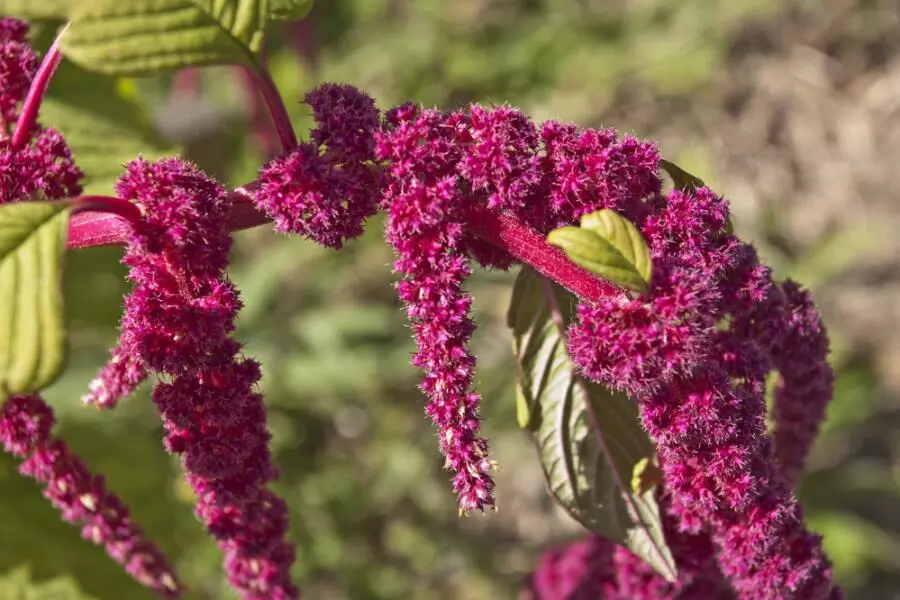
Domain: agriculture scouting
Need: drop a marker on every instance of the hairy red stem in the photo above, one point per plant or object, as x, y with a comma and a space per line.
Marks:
531, 248
32, 104
275, 104
106, 227
260, 127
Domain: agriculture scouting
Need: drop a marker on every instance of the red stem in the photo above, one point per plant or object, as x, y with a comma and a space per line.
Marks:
530, 247
32, 104
260, 127
107, 227
275, 104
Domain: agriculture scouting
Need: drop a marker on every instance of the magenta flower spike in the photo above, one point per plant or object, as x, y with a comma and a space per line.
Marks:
710, 433
33, 158
177, 324
326, 189
81, 497
806, 382
425, 227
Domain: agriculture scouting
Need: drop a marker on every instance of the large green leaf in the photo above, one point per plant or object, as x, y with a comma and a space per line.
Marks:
134, 37
103, 122
18, 585
610, 246
590, 440
32, 324
29, 9
289, 10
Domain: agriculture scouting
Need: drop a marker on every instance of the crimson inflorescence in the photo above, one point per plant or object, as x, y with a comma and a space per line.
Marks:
177, 324
694, 351
45, 165
80, 496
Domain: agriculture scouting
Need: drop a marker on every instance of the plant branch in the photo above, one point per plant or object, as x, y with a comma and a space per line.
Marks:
32, 104
89, 228
530, 247
275, 104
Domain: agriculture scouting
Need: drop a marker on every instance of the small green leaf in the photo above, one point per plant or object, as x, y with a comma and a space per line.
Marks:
136, 37
646, 476
610, 246
289, 10
589, 439
32, 327
682, 180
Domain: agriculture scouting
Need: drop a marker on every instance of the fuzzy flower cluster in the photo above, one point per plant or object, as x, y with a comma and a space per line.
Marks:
177, 324
806, 382
45, 163
18, 63
425, 226
81, 497
597, 568
440, 164
327, 188
702, 401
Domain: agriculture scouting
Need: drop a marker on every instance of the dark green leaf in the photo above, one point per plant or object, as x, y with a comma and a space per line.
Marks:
103, 123
32, 324
589, 439
289, 10
683, 180
610, 246
134, 37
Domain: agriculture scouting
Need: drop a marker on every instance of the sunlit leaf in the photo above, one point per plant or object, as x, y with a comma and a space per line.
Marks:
610, 246
133, 37
589, 439
32, 324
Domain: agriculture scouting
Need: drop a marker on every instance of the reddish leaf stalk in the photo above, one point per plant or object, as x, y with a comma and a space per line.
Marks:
260, 127
275, 104
32, 104
109, 205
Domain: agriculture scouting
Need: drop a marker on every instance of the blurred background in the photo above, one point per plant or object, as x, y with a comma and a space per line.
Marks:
791, 108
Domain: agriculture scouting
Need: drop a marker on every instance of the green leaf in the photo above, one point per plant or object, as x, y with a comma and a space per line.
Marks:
18, 585
136, 37
589, 439
104, 124
682, 180
610, 246
646, 476
32, 324
29, 9
289, 10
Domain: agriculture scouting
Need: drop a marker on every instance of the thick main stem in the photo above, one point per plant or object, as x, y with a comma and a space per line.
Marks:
92, 228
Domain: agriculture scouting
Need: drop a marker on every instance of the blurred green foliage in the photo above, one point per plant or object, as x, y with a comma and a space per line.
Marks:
372, 511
